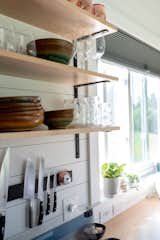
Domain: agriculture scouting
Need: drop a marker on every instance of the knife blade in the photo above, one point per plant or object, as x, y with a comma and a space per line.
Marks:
40, 191
4, 180
29, 191
48, 195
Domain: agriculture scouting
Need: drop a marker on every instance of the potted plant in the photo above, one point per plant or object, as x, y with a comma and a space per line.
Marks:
111, 173
133, 180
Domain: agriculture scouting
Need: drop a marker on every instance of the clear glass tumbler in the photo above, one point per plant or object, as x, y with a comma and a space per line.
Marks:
82, 112
2, 38
100, 113
31, 45
107, 114
92, 111
10, 40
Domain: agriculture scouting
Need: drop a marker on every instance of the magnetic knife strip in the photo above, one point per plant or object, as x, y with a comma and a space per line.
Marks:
16, 191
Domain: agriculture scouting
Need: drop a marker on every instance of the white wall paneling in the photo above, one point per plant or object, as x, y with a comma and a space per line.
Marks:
94, 169
52, 152
65, 197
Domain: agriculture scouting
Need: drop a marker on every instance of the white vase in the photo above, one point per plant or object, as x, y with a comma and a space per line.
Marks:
111, 186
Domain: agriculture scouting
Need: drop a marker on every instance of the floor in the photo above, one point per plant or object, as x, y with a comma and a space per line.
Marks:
141, 222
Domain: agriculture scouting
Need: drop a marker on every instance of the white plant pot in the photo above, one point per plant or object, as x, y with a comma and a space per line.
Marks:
111, 186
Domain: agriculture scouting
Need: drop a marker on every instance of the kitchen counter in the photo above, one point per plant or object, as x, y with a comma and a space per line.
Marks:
141, 222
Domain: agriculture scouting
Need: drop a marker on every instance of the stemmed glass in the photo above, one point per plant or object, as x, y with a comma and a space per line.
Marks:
87, 49
100, 47
22, 40
31, 45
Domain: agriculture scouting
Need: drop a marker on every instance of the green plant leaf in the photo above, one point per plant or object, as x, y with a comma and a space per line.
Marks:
112, 170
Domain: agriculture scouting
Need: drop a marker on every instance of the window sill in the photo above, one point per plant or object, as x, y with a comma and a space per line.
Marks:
111, 207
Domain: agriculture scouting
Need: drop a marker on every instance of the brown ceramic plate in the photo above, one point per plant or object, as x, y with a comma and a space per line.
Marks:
19, 124
20, 109
20, 118
20, 99
21, 114
15, 105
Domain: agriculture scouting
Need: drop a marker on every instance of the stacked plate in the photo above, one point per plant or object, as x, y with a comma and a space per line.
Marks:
20, 113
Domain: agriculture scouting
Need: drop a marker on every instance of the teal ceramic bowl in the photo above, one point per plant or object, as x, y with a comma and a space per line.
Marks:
51, 49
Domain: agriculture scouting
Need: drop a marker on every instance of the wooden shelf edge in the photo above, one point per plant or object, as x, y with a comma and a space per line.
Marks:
13, 56
47, 133
107, 25
52, 15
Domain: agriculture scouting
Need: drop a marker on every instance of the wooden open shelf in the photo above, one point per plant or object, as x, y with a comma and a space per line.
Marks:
58, 16
15, 64
45, 133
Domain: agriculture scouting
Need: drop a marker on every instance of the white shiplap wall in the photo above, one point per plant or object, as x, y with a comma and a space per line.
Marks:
59, 152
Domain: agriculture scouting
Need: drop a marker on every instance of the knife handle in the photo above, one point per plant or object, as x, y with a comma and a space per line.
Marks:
41, 211
2, 226
55, 202
48, 204
32, 213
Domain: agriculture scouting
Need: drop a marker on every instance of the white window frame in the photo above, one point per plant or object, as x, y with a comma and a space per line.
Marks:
144, 167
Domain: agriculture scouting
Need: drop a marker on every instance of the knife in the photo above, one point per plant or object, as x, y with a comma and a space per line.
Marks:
54, 193
4, 180
40, 191
29, 191
48, 195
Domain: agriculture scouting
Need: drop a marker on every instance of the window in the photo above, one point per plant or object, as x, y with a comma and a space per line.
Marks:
135, 104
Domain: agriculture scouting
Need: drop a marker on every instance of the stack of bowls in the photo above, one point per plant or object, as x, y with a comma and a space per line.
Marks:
20, 113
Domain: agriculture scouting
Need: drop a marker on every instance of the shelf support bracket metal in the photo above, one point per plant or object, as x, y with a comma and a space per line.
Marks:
77, 145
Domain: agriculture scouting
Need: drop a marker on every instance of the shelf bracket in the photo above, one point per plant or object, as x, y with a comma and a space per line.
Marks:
96, 35
77, 145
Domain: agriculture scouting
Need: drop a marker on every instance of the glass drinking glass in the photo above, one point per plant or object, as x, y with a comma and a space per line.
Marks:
10, 39
76, 113
2, 37
82, 112
107, 114
100, 47
81, 53
21, 45
92, 111
74, 52
22, 41
89, 47
100, 113
31, 45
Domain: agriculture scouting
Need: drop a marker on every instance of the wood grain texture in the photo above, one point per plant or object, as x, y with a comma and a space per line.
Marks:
141, 222
14, 64
43, 133
58, 16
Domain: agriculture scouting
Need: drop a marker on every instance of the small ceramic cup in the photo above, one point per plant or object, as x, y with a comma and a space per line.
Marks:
99, 11
85, 4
